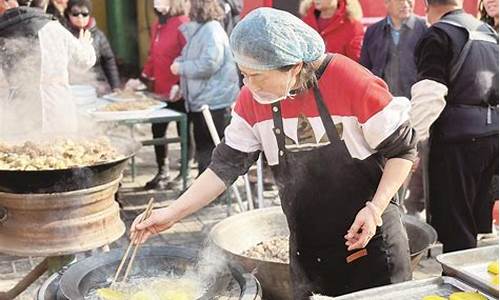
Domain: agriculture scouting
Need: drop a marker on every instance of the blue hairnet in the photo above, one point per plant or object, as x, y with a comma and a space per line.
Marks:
269, 38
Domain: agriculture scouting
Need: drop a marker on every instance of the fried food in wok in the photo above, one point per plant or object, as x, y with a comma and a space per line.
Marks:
152, 289
131, 105
60, 153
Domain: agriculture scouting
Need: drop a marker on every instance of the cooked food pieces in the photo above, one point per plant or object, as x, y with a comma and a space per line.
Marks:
161, 288
458, 296
494, 280
493, 267
110, 294
125, 94
275, 250
467, 296
60, 153
434, 297
130, 105
144, 295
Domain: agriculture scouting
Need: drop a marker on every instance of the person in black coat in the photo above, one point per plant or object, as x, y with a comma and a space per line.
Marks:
79, 15
389, 45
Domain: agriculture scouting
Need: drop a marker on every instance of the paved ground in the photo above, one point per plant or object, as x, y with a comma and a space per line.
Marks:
191, 232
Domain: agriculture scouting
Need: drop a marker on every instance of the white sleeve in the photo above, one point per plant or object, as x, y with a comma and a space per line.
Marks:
80, 54
240, 136
53, 36
427, 103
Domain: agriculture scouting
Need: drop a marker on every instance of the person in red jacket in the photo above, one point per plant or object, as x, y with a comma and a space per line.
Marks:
338, 23
166, 44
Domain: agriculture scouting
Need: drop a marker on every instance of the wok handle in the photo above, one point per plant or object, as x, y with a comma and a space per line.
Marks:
3, 215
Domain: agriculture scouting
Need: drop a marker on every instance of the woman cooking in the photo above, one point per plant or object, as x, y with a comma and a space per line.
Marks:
339, 146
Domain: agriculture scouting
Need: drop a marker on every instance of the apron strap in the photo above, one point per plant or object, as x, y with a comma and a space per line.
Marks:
326, 118
279, 131
325, 115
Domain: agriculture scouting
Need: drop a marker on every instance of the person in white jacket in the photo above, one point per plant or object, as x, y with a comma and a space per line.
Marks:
36, 52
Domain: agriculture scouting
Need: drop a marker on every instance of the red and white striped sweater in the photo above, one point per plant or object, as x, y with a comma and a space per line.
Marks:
365, 113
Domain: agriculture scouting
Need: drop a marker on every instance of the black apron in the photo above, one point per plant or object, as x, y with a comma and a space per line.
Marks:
321, 192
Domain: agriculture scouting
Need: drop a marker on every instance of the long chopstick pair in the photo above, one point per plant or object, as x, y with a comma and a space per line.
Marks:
145, 215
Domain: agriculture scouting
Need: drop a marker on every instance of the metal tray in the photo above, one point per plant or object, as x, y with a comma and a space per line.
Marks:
411, 290
471, 266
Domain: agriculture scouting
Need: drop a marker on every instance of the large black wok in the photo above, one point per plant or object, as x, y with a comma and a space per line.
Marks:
96, 272
71, 179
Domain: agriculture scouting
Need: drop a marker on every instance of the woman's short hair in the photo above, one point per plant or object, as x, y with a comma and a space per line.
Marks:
203, 11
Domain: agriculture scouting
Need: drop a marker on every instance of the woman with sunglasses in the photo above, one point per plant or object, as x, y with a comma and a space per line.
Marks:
78, 14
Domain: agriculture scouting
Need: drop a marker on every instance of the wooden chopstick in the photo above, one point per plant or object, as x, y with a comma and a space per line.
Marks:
145, 215
132, 258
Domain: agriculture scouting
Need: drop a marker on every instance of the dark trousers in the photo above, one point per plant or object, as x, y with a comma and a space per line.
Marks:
203, 139
459, 179
160, 129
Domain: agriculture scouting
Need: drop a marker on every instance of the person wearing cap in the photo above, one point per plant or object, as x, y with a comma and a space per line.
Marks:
339, 145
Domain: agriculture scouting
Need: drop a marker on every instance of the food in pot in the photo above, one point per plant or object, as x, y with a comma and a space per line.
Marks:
110, 294
467, 296
60, 153
274, 250
493, 267
130, 105
160, 288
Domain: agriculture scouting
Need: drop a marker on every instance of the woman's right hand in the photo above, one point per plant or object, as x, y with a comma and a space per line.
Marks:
85, 36
204, 190
159, 221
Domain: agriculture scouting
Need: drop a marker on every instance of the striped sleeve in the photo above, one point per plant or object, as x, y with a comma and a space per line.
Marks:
241, 134
384, 121
240, 147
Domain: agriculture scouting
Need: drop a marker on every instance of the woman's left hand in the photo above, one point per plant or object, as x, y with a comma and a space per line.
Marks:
174, 68
362, 230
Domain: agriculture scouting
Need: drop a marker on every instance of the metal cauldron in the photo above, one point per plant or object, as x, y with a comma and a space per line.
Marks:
70, 179
60, 223
59, 212
96, 271
241, 232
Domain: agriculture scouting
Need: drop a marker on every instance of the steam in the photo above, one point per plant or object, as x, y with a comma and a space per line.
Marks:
20, 99
21, 90
211, 263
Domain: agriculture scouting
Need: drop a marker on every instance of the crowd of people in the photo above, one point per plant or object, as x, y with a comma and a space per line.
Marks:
337, 109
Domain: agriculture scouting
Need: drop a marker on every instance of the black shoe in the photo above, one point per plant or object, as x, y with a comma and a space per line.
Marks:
159, 182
